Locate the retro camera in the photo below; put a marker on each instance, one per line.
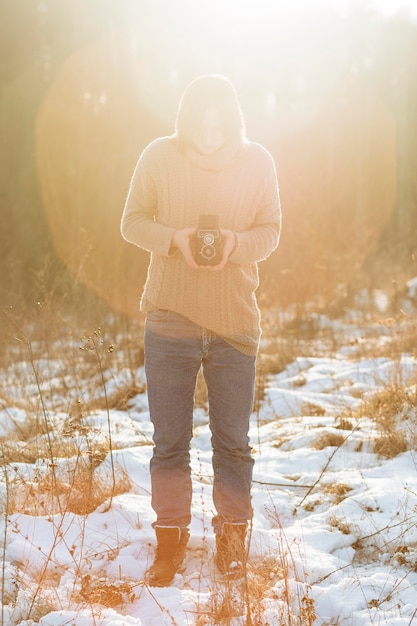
(207, 242)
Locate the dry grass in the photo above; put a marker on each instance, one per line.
(81, 494)
(70, 483)
(338, 490)
(106, 594)
(329, 439)
(393, 409)
(32, 443)
(262, 591)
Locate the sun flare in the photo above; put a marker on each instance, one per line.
(302, 97)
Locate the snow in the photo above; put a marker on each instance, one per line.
(334, 527)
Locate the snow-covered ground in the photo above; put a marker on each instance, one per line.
(334, 531)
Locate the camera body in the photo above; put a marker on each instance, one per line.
(207, 242)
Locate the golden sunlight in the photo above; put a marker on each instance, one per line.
(331, 134)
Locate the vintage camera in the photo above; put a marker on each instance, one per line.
(207, 242)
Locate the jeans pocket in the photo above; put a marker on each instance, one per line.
(170, 324)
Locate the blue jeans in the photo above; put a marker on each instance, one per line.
(175, 349)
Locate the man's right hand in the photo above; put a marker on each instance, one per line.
(181, 239)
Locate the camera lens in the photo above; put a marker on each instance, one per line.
(208, 239)
(208, 252)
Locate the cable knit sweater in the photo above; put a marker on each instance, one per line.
(169, 189)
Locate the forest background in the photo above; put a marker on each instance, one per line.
(329, 88)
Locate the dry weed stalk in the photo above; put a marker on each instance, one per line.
(6, 525)
(95, 343)
(65, 484)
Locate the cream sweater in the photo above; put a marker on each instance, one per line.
(168, 191)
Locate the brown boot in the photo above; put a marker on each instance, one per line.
(230, 548)
(169, 554)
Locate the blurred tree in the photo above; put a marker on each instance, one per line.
(86, 84)
(392, 72)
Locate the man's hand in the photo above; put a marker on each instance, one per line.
(181, 239)
(229, 241)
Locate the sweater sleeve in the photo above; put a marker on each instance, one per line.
(138, 225)
(257, 243)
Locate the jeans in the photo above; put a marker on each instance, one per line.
(175, 349)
